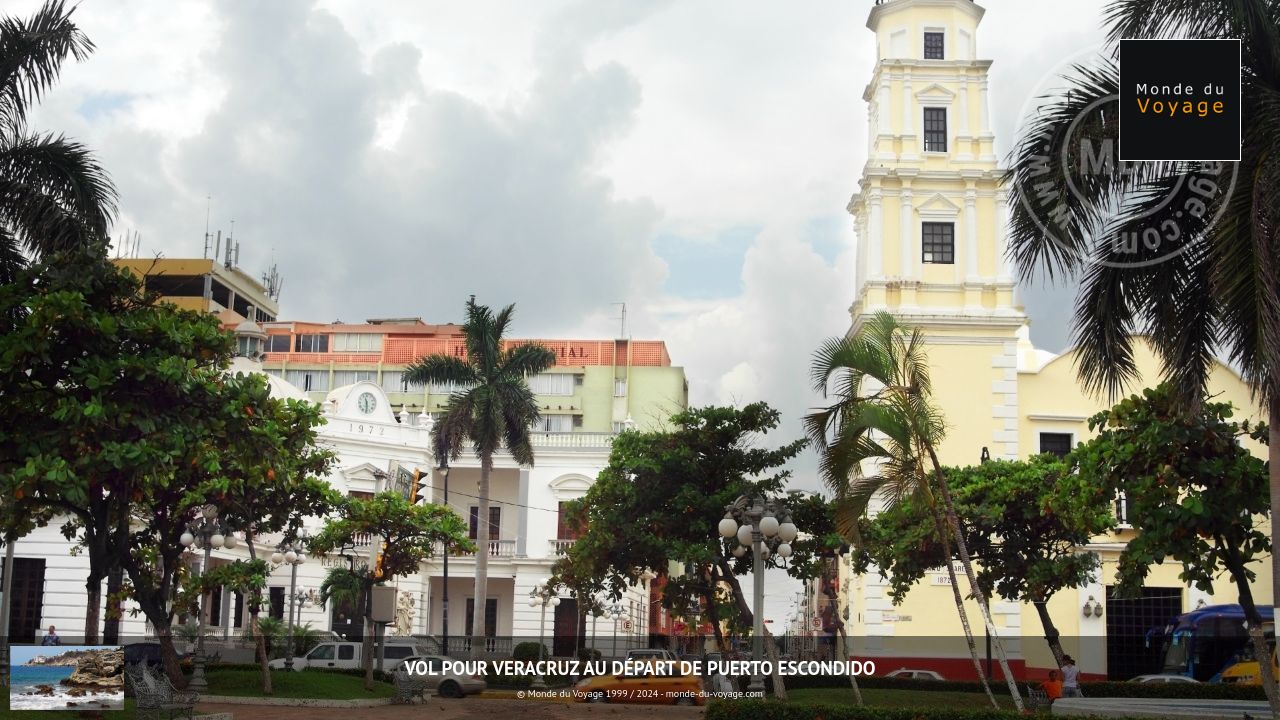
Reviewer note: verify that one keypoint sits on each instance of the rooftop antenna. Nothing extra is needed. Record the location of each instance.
(622, 331)
(208, 199)
(217, 247)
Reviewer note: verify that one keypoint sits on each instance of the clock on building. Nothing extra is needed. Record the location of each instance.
(366, 402)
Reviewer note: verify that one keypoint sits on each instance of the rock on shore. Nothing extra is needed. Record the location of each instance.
(101, 670)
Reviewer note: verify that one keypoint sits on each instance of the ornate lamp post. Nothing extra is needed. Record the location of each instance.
(763, 526)
(542, 595)
(293, 555)
(206, 533)
(615, 611)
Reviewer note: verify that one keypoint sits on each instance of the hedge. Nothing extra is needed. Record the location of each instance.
(1181, 691)
(356, 672)
(771, 710)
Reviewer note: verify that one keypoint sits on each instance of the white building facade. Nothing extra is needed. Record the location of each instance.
(376, 449)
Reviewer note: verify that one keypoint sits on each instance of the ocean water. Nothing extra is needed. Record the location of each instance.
(26, 678)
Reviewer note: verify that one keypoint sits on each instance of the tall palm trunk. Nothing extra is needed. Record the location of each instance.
(1273, 465)
(945, 537)
(964, 614)
(954, 521)
(482, 560)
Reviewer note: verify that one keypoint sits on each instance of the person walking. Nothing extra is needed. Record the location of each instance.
(1070, 677)
(52, 637)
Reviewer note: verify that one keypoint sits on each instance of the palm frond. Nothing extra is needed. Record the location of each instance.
(62, 195)
(32, 51)
(440, 369)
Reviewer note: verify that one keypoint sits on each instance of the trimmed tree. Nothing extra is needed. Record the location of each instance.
(98, 376)
(662, 496)
(1024, 523)
(1198, 495)
(406, 536)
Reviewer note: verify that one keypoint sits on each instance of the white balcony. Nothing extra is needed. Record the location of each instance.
(558, 547)
(497, 548)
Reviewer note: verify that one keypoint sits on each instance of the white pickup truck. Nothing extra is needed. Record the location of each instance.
(346, 655)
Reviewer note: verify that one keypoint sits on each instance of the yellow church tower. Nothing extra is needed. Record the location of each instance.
(929, 217)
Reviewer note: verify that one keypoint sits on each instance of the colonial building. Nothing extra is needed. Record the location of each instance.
(379, 428)
(929, 215)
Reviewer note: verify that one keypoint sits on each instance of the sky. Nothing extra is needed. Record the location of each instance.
(20, 654)
(690, 159)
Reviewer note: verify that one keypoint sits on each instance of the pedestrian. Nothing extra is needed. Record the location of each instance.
(1052, 687)
(52, 638)
(1070, 677)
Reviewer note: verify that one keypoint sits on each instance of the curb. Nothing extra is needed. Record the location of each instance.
(291, 702)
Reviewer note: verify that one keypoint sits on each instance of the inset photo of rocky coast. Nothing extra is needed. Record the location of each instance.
(75, 677)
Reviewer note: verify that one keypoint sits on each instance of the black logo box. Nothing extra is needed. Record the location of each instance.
(1189, 66)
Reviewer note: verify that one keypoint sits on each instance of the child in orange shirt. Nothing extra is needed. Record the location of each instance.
(1052, 687)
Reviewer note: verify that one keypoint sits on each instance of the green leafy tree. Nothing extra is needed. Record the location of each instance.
(406, 536)
(492, 408)
(1024, 523)
(884, 417)
(53, 194)
(1212, 283)
(97, 374)
(1195, 491)
(271, 479)
(661, 497)
(248, 454)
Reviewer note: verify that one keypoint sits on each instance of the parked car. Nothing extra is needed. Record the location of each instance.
(650, 684)
(908, 674)
(347, 655)
(1164, 678)
(444, 684)
(149, 653)
(651, 653)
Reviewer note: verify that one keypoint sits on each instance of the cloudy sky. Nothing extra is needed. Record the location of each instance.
(692, 159)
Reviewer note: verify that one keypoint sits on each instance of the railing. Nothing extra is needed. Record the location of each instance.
(497, 548)
(572, 440)
(560, 546)
(494, 647)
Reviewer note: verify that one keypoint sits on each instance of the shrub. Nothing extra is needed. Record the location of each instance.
(589, 654)
(529, 652)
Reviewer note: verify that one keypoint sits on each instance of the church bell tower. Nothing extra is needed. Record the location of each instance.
(929, 215)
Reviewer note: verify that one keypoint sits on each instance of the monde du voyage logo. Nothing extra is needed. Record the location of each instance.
(1179, 100)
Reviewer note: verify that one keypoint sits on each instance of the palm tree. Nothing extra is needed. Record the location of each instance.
(53, 194)
(883, 415)
(1215, 287)
(491, 407)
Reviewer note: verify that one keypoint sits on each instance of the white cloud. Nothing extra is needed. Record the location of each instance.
(394, 157)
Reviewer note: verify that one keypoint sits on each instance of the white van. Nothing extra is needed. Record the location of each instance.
(346, 655)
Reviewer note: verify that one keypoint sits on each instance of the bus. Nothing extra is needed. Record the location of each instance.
(1202, 643)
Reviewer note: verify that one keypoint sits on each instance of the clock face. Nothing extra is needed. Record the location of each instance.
(366, 402)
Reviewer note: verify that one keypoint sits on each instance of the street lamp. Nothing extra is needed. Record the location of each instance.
(542, 594)
(615, 612)
(292, 554)
(207, 533)
(765, 527)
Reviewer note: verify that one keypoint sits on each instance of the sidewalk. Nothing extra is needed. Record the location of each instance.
(1153, 708)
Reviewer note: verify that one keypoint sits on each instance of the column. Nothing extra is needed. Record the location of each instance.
(522, 525)
(910, 142)
(1002, 238)
(884, 118)
(986, 115)
(962, 122)
(875, 237)
(971, 235)
(908, 234)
